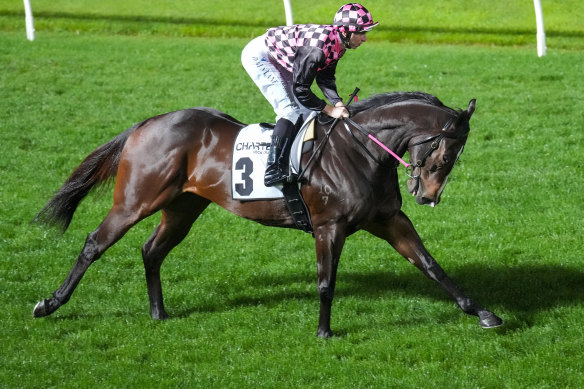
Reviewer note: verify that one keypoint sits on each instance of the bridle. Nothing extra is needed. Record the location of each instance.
(435, 139)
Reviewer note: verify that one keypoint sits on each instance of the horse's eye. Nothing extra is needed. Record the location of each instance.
(446, 159)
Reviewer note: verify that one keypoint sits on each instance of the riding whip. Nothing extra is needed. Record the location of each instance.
(327, 135)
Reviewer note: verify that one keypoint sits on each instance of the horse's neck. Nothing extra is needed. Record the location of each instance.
(400, 123)
(396, 125)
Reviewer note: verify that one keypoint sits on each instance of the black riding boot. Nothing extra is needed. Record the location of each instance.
(277, 166)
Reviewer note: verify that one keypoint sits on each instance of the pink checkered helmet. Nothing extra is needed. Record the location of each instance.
(353, 17)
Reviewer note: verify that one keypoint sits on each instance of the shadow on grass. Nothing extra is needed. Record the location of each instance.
(518, 294)
(518, 291)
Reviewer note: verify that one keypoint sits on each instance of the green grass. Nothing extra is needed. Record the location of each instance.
(424, 21)
(242, 296)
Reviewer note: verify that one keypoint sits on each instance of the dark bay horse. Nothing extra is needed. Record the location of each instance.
(180, 162)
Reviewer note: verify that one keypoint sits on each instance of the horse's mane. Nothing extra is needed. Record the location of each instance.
(394, 98)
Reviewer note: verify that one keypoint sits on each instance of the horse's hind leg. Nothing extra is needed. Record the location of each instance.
(115, 225)
(400, 233)
(177, 219)
(136, 196)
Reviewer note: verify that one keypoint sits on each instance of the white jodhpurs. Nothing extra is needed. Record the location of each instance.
(275, 85)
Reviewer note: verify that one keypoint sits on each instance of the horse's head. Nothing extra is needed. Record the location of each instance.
(432, 157)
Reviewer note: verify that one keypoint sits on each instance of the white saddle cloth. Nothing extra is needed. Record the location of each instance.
(250, 153)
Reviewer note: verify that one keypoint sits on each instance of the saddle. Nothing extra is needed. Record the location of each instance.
(250, 153)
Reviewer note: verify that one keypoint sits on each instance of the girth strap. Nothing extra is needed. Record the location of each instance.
(297, 206)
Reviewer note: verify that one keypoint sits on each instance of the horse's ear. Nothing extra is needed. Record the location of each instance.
(471, 108)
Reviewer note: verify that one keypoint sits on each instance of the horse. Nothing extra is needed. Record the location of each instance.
(180, 162)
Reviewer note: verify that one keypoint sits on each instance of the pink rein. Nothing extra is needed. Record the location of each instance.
(384, 147)
(374, 139)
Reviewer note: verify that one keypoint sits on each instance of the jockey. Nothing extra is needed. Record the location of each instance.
(285, 61)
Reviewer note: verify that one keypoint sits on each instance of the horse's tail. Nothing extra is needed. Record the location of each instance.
(97, 168)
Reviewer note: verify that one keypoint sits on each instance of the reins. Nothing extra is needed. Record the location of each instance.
(374, 139)
(436, 139)
(409, 167)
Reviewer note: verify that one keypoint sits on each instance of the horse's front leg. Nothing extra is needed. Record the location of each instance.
(329, 242)
(400, 233)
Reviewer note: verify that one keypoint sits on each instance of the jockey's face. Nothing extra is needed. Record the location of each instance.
(356, 39)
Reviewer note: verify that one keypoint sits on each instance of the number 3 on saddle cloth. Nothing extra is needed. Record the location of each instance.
(250, 153)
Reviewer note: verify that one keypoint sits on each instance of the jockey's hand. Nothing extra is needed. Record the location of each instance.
(338, 111)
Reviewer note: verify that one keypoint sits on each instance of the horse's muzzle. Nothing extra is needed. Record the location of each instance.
(427, 201)
(422, 198)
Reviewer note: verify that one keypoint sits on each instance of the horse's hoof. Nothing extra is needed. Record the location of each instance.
(490, 320)
(160, 316)
(40, 310)
(325, 334)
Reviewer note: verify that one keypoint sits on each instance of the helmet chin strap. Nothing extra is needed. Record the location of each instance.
(345, 39)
